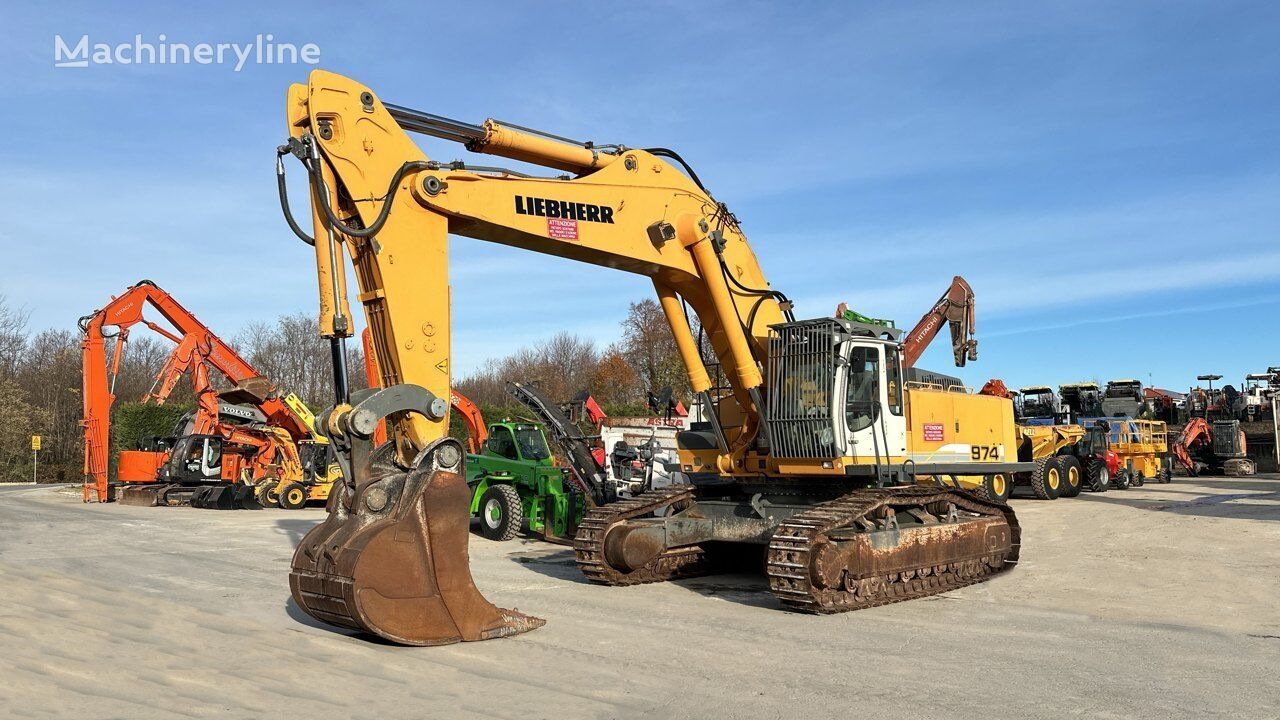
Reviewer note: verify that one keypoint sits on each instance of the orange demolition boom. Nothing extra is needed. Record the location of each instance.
(197, 348)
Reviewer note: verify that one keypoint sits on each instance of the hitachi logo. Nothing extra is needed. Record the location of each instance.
(544, 207)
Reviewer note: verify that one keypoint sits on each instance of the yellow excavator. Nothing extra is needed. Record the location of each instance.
(812, 447)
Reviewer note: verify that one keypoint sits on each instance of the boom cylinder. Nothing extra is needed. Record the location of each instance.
(529, 147)
(704, 256)
(688, 347)
(434, 125)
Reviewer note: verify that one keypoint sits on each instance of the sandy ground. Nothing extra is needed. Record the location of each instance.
(1159, 602)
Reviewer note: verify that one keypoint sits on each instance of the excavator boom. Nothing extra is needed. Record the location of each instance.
(954, 308)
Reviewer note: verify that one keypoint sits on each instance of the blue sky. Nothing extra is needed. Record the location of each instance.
(1106, 175)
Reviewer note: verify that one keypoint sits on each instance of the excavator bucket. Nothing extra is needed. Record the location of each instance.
(391, 558)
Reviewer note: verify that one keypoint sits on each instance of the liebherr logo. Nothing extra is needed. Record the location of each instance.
(544, 207)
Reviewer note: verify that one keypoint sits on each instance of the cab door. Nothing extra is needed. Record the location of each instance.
(874, 416)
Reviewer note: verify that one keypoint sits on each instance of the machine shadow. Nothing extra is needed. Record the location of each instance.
(296, 528)
(739, 576)
(1206, 505)
(1232, 483)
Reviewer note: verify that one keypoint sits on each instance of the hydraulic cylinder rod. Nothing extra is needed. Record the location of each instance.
(494, 138)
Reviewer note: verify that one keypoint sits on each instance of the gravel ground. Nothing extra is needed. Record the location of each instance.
(1156, 602)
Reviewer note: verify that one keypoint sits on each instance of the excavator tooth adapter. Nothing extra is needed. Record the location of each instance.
(391, 557)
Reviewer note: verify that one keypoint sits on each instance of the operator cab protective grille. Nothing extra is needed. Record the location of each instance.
(803, 357)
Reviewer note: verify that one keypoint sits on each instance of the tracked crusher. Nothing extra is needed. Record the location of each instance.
(818, 442)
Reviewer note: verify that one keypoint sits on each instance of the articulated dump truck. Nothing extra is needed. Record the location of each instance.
(813, 448)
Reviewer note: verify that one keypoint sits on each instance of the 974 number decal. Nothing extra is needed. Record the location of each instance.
(984, 452)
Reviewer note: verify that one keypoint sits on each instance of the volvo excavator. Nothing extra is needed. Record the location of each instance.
(811, 449)
(236, 442)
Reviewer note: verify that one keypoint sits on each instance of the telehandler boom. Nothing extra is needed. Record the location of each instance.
(812, 451)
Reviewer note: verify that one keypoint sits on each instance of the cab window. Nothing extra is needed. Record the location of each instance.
(531, 443)
(212, 453)
(893, 379)
(501, 443)
(862, 391)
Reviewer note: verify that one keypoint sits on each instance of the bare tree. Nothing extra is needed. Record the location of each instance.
(49, 376)
(292, 354)
(561, 366)
(648, 345)
(13, 336)
(19, 420)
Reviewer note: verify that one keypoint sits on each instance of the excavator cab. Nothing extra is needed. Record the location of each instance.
(201, 470)
(195, 458)
(838, 392)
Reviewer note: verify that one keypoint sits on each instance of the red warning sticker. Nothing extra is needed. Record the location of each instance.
(933, 432)
(562, 228)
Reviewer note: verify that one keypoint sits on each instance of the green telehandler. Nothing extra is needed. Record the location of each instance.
(514, 480)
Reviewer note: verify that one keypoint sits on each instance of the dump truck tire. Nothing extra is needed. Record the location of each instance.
(501, 514)
(1072, 476)
(1046, 479)
(293, 496)
(994, 487)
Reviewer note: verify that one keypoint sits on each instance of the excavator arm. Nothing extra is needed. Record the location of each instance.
(378, 196)
(954, 308)
(1195, 432)
(175, 366)
(477, 430)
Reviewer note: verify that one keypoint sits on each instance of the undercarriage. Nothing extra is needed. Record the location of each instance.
(826, 552)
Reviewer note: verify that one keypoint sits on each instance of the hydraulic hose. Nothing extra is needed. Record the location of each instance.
(284, 197)
(313, 168)
(387, 200)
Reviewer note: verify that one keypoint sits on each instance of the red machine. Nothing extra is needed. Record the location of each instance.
(248, 452)
(996, 388)
(955, 308)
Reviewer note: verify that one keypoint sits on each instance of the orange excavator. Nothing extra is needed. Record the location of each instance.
(954, 308)
(1216, 447)
(240, 436)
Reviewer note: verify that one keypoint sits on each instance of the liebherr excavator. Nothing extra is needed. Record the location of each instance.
(811, 451)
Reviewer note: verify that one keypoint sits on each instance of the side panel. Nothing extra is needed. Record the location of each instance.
(955, 427)
(140, 465)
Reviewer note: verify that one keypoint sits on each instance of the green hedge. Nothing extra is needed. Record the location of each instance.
(134, 421)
